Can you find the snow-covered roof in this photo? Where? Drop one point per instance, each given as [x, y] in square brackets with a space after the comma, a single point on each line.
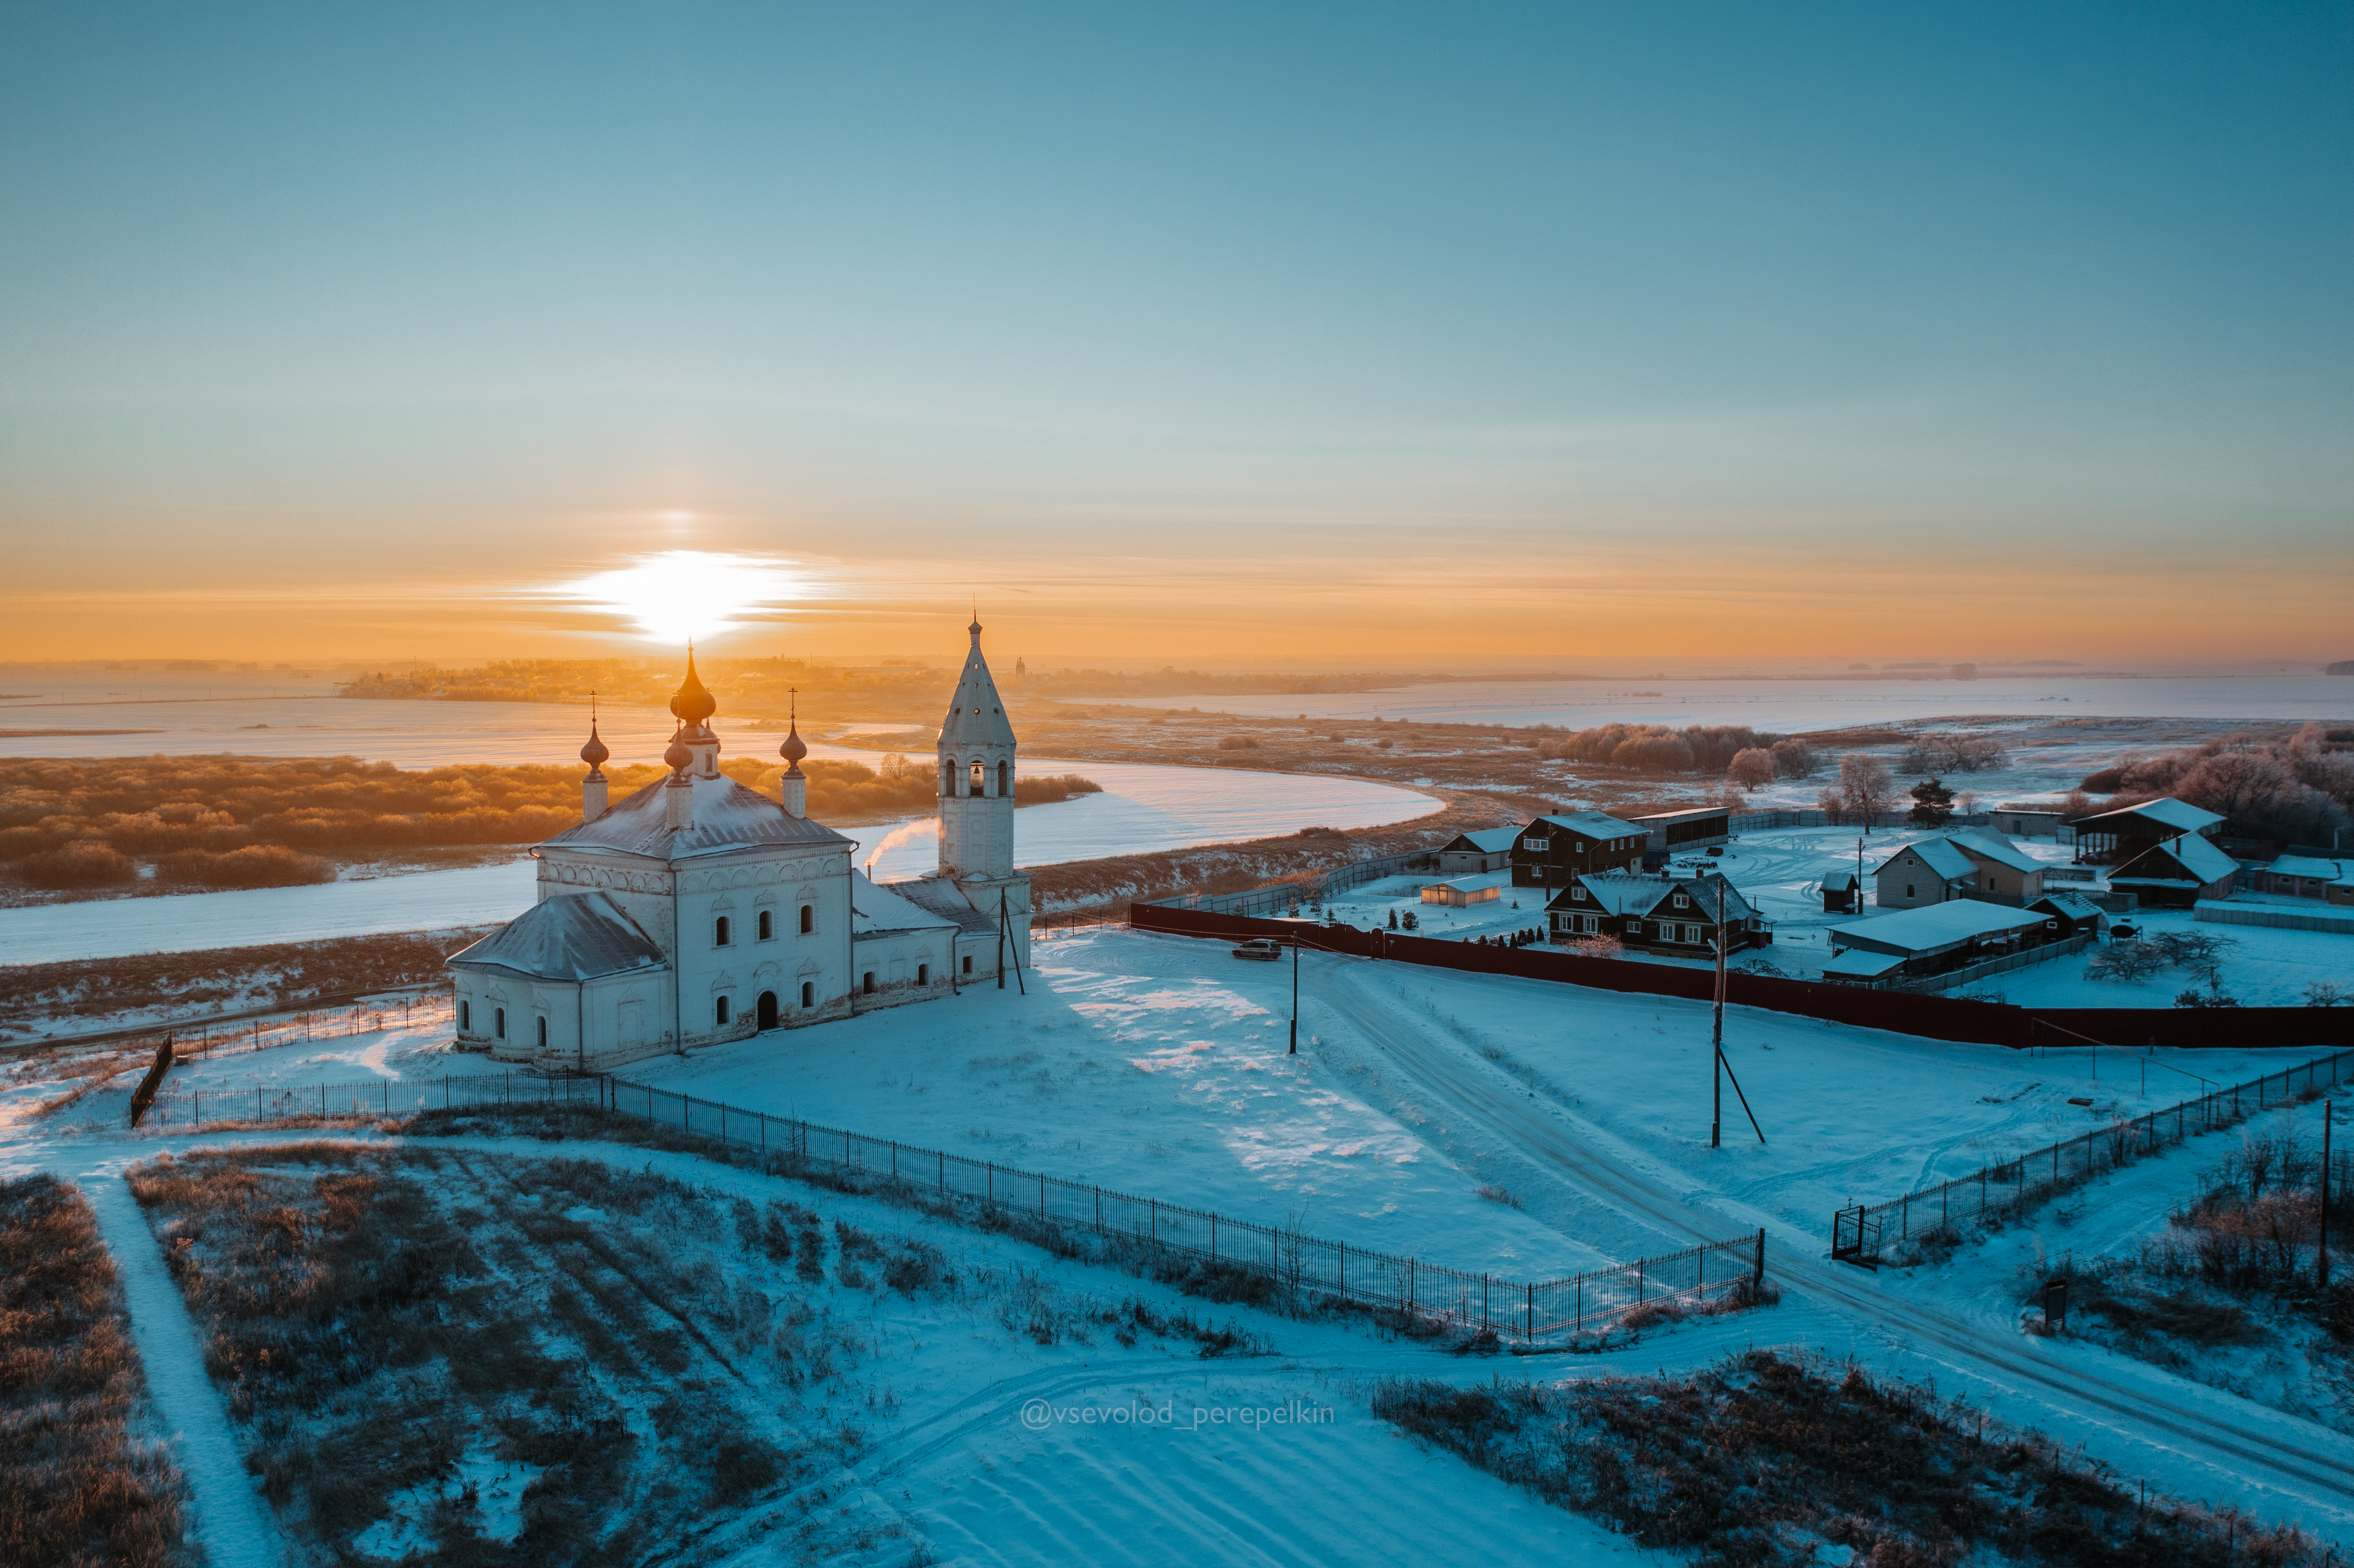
[1593, 825]
[2166, 813]
[1710, 889]
[1915, 933]
[2204, 862]
[1684, 814]
[939, 895]
[1938, 854]
[2310, 865]
[976, 714]
[2075, 906]
[1486, 840]
[877, 909]
[1985, 846]
[727, 816]
[574, 936]
[1857, 964]
[1839, 881]
[1613, 893]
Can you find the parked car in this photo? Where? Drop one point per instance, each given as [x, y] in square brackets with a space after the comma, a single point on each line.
[1263, 948]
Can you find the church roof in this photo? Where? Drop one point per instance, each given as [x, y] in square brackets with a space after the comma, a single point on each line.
[940, 896]
[977, 713]
[873, 910]
[578, 937]
[728, 817]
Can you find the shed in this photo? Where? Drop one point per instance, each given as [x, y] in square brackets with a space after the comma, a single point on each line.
[1856, 966]
[1944, 937]
[2075, 913]
[1673, 832]
[1462, 892]
[1842, 893]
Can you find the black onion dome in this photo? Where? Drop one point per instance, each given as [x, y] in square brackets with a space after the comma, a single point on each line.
[595, 752]
[695, 703]
[677, 756]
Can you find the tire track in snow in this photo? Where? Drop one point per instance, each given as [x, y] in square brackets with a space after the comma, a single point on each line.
[2301, 1462]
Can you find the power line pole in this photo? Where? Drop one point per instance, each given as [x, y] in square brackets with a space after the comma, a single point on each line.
[2324, 1267]
[1295, 997]
[1717, 1037]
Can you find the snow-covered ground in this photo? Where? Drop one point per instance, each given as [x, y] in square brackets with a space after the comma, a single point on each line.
[1793, 705]
[1158, 1064]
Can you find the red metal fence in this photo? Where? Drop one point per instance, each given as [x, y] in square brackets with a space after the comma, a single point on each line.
[1931, 1017]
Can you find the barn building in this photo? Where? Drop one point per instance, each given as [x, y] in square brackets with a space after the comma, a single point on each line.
[1921, 944]
[1675, 833]
[697, 910]
[2118, 836]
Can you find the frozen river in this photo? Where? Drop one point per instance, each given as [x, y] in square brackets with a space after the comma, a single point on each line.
[1142, 809]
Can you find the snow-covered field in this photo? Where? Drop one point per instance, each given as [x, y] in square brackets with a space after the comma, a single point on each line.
[1793, 705]
[1158, 1064]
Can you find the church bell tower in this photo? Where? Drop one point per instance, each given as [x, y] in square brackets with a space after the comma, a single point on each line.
[976, 800]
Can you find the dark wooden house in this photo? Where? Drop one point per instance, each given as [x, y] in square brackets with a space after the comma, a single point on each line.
[1552, 850]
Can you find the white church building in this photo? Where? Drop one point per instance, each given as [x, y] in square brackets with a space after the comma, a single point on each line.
[697, 910]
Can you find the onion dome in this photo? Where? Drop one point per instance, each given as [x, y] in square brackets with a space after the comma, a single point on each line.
[595, 752]
[795, 747]
[695, 703]
[677, 756]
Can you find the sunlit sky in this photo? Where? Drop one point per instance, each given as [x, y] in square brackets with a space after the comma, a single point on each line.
[1561, 335]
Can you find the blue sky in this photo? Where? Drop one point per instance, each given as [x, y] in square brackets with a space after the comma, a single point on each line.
[1524, 326]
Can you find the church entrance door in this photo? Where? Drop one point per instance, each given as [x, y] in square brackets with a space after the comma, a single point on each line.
[767, 1009]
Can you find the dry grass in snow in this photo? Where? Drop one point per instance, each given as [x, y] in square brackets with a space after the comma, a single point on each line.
[443, 1355]
[77, 1485]
[1764, 1459]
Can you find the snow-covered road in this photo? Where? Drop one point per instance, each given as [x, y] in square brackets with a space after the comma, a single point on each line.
[2190, 1439]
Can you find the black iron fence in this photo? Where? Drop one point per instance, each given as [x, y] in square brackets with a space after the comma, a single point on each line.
[1859, 1233]
[1532, 1315]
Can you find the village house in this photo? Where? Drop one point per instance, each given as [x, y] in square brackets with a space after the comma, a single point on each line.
[1489, 849]
[2305, 876]
[1552, 850]
[2177, 873]
[1956, 865]
[1660, 914]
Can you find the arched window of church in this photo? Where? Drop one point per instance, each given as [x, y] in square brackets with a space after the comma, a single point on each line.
[808, 918]
[979, 777]
[501, 1021]
[1004, 780]
[719, 933]
[465, 1016]
[923, 974]
[809, 994]
[722, 1010]
[543, 1033]
[947, 778]
[766, 931]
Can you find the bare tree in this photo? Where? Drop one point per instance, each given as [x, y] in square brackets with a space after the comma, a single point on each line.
[1868, 785]
[2129, 961]
[1601, 945]
[2326, 994]
[1832, 801]
[1795, 758]
[1751, 768]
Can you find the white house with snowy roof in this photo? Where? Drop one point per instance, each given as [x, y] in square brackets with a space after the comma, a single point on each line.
[698, 910]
